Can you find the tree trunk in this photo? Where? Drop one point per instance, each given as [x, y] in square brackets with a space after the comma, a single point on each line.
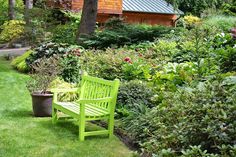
[28, 6]
[11, 9]
[88, 19]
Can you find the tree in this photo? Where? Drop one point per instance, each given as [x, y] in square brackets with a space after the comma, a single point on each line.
[88, 19]
[11, 9]
[28, 6]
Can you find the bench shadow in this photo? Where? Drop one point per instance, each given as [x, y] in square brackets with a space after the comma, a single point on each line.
[66, 127]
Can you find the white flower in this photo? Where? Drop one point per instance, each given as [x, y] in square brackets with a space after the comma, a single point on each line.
[222, 34]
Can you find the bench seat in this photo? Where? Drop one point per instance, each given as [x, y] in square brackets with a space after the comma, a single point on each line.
[91, 110]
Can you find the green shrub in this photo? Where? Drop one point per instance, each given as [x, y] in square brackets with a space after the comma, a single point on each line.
[65, 34]
[12, 29]
[105, 64]
[134, 93]
[230, 9]
[227, 59]
[48, 49]
[19, 62]
[71, 66]
[201, 116]
[126, 35]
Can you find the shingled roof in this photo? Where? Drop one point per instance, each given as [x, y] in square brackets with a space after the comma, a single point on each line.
[149, 6]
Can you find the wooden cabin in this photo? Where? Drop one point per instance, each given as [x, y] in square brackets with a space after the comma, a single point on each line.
[154, 12]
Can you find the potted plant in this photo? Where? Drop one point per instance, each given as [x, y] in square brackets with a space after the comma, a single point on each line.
[43, 73]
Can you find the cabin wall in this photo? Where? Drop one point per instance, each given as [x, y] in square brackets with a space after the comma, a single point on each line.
[104, 6]
[150, 18]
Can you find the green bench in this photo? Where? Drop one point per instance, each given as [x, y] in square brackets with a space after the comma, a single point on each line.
[97, 101]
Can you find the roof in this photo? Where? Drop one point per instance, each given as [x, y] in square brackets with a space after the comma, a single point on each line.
[150, 6]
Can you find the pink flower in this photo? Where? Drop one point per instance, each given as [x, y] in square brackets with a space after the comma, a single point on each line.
[128, 60]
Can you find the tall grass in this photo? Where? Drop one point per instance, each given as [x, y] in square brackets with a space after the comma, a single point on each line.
[222, 22]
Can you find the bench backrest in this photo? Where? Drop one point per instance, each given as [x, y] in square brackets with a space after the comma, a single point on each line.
[95, 88]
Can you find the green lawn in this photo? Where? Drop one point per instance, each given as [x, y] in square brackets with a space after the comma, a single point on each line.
[23, 135]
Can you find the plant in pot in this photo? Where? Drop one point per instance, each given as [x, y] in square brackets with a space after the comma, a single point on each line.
[43, 73]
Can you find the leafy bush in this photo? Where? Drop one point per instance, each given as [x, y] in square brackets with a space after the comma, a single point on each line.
[11, 30]
[65, 33]
[19, 62]
[105, 64]
[201, 116]
[126, 35]
[191, 20]
[134, 93]
[227, 59]
[230, 9]
[71, 66]
[47, 50]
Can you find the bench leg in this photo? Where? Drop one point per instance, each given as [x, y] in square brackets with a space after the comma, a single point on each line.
[81, 129]
[54, 115]
[111, 126]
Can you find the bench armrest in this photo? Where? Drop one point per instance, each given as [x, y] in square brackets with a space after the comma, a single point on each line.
[84, 101]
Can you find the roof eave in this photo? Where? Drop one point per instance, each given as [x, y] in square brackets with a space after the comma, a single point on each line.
[179, 13]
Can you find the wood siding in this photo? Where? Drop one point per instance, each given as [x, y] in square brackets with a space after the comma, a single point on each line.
[104, 6]
[149, 18]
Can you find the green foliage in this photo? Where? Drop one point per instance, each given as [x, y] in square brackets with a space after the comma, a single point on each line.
[230, 9]
[202, 115]
[196, 7]
[138, 69]
[222, 22]
[134, 93]
[65, 33]
[19, 62]
[61, 84]
[125, 35]
[12, 29]
[4, 10]
[38, 29]
[71, 66]
[105, 64]
[47, 50]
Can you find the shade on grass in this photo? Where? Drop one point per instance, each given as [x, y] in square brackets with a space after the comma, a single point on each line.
[21, 134]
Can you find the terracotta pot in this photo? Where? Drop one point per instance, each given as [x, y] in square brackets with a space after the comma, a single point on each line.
[42, 104]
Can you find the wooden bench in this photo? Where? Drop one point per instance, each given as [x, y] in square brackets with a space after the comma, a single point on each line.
[97, 101]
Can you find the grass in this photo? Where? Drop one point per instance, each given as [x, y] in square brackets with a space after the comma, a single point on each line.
[21, 134]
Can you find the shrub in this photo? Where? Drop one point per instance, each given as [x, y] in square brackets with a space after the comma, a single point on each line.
[190, 21]
[19, 62]
[105, 64]
[71, 66]
[11, 30]
[230, 9]
[65, 33]
[48, 49]
[134, 93]
[126, 35]
[227, 59]
[201, 116]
